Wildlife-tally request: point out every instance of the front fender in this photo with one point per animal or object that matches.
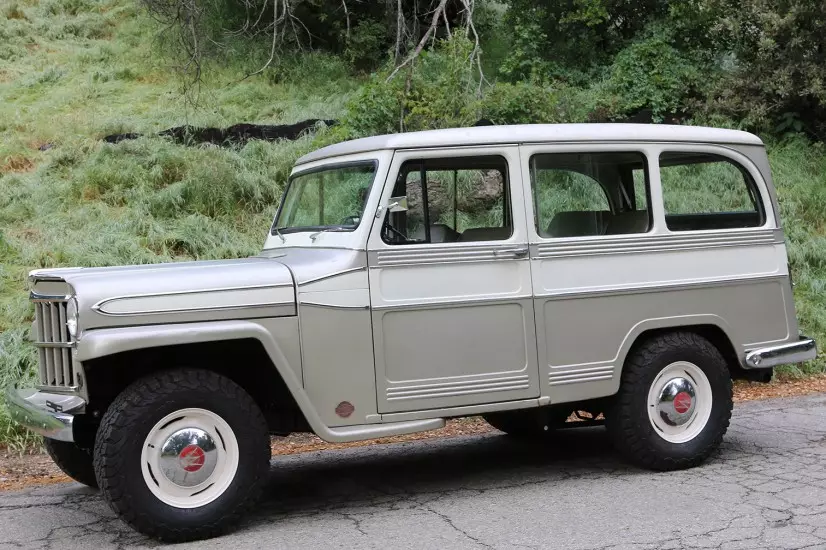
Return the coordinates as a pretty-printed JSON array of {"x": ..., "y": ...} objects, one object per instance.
[{"x": 104, "y": 342}]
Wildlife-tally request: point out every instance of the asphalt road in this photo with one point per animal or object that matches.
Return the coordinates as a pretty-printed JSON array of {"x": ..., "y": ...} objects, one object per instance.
[{"x": 765, "y": 489}]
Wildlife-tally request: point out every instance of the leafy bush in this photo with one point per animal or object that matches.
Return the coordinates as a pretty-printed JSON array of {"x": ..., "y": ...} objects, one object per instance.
[
  {"x": 652, "y": 73},
  {"x": 520, "y": 103},
  {"x": 777, "y": 82}
]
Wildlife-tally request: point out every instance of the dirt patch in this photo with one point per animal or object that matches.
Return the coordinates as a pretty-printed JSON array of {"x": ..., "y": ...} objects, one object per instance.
[
  {"x": 17, "y": 472},
  {"x": 16, "y": 164}
]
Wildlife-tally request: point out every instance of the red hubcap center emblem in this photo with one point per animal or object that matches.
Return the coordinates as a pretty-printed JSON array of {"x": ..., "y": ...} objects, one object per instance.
[
  {"x": 192, "y": 458},
  {"x": 682, "y": 402}
]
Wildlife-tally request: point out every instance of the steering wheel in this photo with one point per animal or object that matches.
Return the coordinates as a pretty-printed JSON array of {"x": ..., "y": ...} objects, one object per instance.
[{"x": 351, "y": 220}]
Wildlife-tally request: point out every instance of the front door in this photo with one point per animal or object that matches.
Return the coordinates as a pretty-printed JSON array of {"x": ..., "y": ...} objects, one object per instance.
[{"x": 450, "y": 283}]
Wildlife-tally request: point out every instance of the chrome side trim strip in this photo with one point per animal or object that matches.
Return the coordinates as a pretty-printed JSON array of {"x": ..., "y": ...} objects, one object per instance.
[
  {"x": 458, "y": 383},
  {"x": 452, "y": 254},
  {"x": 333, "y": 306},
  {"x": 452, "y": 303},
  {"x": 481, "y": 388},
  {"x": 184, "y": 292},
  {"x": 286, "y": 305},
  {"x": 562, "y": 376},
  {"x": 796, "y": 352},
  {"x": 658, "y": 287},
  {"x": 606, "y": 245}
]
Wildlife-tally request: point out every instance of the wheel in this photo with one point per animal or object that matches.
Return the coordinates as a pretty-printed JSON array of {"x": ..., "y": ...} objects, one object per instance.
[
  {"x": 181, "y": 455},
  {"x": 674, "y": 402},
  {"x": 527, "y": 423},
  {"x": 74, "y": 461}
]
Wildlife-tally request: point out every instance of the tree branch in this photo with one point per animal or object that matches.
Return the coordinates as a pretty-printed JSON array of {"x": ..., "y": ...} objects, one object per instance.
[{"x": 431, "y": 30}]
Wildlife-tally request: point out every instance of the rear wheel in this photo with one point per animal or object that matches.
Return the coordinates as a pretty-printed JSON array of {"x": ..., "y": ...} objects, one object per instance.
[
  {"x": 181, "y": 455},
  {"x": 674, "y": 402},
  {"x": 74, "y": 461}
]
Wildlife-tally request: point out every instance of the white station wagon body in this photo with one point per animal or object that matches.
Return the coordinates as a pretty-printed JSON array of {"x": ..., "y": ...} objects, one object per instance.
[{"x": 415, "y": 277}]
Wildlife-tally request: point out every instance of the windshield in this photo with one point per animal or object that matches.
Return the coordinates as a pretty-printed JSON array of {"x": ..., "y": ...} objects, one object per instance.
[{"x": 327, "y": 199}]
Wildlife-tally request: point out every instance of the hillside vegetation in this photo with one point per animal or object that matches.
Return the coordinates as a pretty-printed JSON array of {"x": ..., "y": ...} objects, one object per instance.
[{"x": 73, "y": 71}]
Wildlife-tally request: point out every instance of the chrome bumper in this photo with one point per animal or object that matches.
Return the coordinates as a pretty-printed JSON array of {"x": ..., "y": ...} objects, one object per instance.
[
  {"x": 49, "y": 414},
  {"x": 803, "y": 350}
]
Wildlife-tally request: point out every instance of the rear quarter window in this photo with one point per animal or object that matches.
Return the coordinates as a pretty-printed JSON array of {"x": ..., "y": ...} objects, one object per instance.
[{"x": 704, "y": 191}]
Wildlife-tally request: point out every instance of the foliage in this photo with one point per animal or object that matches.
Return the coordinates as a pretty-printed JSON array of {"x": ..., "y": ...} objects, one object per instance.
[
  {"x": 778, "y": 79},
  {"x": 572, "y": 38},
  {"x": 652, "y": 73}
]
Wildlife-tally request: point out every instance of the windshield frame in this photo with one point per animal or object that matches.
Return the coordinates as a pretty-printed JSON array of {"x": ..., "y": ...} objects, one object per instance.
[{"x": 275, "y": 230}]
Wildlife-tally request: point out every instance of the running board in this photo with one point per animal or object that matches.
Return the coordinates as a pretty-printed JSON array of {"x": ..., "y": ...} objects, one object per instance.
[{"x": 372, "y": 431}]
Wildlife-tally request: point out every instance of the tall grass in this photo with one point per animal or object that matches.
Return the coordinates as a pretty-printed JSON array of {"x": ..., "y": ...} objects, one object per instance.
[{"x": 72, "y": 71}]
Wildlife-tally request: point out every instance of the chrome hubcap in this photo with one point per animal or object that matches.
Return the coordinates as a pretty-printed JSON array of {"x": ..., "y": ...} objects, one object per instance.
[
  {"x": 680, "y": 402},
  {"x": 676, "y": 402},
  {"x": 188, "y": 457}
]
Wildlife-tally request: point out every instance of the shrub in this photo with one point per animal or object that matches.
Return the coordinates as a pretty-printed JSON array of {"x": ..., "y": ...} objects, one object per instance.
[
  {"x": 521, "y": 103},
  {"x": 652, "y": 73}
]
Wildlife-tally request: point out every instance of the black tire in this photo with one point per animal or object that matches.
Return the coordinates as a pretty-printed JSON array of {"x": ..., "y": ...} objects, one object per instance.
[
  {"x": 74, "y": 461},
  {"x": 528, "y": 423},
  {"x": 628, "y": 422},
  {"x": 132, "y": 416}
]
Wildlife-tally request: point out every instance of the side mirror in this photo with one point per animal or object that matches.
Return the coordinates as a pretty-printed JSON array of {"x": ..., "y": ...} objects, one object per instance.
[{"x": 397, "y": 204}]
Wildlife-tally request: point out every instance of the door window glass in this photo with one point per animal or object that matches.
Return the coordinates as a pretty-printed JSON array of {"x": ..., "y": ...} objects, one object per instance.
[
  {"x": 450, "y": 200},
  {"x": 588, "y": 194}
]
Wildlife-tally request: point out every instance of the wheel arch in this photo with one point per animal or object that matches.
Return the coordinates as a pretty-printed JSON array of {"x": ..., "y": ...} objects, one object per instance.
[
  {"x": 712, "y": 327},
  {"x": 243, "y": 351}
]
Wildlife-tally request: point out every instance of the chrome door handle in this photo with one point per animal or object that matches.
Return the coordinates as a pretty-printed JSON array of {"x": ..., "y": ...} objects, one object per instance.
[{"x": 511, "y": 253}]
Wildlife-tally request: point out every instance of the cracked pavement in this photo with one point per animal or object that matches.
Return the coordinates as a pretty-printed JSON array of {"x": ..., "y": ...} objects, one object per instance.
[{"x": 765, "y": 488}]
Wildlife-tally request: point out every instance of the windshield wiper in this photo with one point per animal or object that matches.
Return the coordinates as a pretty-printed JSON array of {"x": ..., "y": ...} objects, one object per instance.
[
  {"x": 280, "y": 236},
  {"x": 335, "y": 229}
]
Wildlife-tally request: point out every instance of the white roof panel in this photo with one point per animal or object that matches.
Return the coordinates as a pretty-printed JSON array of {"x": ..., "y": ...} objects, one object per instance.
[{"x": 534, "y": 133}]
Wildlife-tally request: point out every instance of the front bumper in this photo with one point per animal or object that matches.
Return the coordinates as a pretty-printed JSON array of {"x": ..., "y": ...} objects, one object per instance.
[
  {"x": 804, "y": 349},
  {"x": 49, "y": 414}
]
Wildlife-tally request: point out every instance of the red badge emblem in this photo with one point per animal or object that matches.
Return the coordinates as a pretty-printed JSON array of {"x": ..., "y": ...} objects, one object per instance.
[
  {"x": 192, "y": 458},
  {"x": 682, "y": 402}
]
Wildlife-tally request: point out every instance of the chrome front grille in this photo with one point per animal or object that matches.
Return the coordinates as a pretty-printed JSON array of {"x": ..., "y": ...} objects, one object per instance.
[{"x": 53, "y": 342}]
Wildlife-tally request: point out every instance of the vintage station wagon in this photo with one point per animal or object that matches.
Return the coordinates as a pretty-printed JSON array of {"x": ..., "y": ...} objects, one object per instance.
[{"x": 522, "y": 273}]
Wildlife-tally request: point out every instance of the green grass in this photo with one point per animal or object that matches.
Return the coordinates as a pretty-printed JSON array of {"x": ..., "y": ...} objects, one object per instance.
[{"x": 73, "y": 71}]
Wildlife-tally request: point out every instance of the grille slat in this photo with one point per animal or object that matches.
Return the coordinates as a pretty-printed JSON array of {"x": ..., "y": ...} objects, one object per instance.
[{"x": 54, "y": 342}]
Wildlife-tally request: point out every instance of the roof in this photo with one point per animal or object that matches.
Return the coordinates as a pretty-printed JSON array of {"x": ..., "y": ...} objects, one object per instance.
[{"x": 534, "y": 133}]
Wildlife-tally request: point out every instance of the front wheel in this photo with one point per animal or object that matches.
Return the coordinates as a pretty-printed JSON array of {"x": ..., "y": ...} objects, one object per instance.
[
  {"x": 74, "y": 461},
  {"x": 674, "y": 403},
  {"x": 181, "y": 455}
]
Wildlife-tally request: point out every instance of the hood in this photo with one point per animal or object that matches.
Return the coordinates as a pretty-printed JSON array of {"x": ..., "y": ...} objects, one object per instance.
[{"x": 174, "y": 292}]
